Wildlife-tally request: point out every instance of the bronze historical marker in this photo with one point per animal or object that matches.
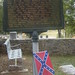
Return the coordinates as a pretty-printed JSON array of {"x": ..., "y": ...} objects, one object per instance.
[{"x": 30, "y": 15}]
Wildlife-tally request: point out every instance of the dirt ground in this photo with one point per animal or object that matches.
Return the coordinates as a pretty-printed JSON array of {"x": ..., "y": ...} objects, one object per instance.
[{"x": 25, "y": 69}]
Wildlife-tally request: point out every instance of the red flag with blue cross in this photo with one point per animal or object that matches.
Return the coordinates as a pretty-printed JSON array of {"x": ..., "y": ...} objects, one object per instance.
[{"x": 43, "y": 63}]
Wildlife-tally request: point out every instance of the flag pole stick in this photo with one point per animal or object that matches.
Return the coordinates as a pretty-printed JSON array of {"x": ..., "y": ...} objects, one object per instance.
[{"x": 35, "y": 48}]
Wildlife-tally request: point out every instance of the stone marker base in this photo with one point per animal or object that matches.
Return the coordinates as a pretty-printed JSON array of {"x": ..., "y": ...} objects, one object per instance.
[
  {"x": 21, "y": 71},
  {"x": 14, "y": 68}
]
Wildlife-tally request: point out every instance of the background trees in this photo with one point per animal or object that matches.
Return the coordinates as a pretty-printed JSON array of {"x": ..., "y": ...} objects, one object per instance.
[
  {"x": 69, "y": 15},
  {"x": 1, "y": 14}
]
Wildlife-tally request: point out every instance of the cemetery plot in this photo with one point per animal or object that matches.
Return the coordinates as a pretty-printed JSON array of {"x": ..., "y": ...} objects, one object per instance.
[
  {"x": 28, "y": 64},
  {"x": 4, "y": 69}
]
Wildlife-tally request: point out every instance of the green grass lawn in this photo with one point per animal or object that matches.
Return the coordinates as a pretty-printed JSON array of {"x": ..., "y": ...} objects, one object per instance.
[
  {"x": 61, "y": 60},
  {"x": 27, "y": 64}
]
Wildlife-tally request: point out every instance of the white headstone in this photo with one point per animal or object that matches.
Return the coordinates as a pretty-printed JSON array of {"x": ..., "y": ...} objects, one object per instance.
[{"x": 68, "y": 69}]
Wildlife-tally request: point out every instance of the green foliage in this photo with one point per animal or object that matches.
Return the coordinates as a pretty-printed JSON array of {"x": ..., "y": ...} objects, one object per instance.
[
  {"x": 1, "y": 15},
  {"x": 69, "y": 13}
]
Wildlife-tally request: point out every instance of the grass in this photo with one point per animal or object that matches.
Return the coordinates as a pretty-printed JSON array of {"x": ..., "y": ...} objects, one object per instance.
[
  {"x": 61, "y": 60},
  {"x": 56, "y": 61}
]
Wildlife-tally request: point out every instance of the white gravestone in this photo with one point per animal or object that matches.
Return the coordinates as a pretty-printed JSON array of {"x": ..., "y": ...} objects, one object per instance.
[{"x": 68, "y": 69}]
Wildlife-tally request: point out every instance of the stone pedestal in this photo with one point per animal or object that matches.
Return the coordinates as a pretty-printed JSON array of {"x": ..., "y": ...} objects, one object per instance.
[
  {"x": 13, "y": 67},
  {"x": 13, "y": 35}
]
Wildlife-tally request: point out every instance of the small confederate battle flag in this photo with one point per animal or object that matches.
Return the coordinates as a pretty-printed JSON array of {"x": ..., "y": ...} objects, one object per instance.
[{"x": 43, "y": 63}]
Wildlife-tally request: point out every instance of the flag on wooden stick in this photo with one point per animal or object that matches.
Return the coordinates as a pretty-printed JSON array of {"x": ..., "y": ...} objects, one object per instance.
[{"x": 43, "y": 63}]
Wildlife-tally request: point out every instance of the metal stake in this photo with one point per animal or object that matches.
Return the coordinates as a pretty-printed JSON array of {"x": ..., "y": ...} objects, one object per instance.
[{"x": 15, "y": 62}]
